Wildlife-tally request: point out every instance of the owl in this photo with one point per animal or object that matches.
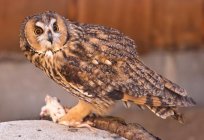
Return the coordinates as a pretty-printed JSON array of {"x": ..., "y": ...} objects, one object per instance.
[{"x": 99, "y": 65}]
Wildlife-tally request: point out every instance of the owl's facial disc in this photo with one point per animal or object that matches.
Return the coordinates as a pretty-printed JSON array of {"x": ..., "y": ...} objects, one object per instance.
[{"x": 47, "y": 34}]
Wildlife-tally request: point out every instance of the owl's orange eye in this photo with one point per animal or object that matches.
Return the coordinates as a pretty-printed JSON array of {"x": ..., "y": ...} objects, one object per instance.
[
  {"x": 38, "y": 31},
  {"x": 55, "y": 27}
]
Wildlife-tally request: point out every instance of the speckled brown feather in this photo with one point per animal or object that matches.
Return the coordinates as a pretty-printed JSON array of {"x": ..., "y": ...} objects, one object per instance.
[{"x": 100, "y": 65}]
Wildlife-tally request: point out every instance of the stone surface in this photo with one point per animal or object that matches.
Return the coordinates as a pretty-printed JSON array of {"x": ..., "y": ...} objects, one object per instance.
[{"x": 47, "y": 130}]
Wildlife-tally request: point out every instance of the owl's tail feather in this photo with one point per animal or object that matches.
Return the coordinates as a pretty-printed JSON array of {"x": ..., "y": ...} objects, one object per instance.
[
  {"x": 177, "y": 100},
  {"x": 164, "y": 112},
  {"x": 144, "y": 100},
  {"x": 157, "y": 105}
]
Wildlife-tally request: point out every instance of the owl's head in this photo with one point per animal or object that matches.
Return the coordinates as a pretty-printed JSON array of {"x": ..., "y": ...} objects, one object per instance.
[{"x": 44, "y": 32}]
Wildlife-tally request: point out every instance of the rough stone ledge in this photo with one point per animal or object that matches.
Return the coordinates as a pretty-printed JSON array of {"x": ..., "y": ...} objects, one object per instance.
[{"x": 47, "y": 130}]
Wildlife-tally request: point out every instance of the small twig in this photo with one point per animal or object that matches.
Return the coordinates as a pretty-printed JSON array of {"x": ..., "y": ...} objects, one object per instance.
[{"x": 116, "y": 125}]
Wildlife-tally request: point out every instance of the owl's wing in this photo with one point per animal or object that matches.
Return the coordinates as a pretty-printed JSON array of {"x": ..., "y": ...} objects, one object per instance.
[
  {"x": 108, "y": 65},
  {"x": 158, "y": 90},
  {"x": 109, "y": 41}
]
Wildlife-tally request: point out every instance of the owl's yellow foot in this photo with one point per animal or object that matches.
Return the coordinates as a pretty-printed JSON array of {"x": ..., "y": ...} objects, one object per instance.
[
  {"x": 78, "y": 124},
  {"x": 75, "y": 115}
]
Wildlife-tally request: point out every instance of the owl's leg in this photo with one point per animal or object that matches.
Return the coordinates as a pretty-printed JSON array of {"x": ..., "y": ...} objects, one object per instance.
[{"x": 76, "y": 114}]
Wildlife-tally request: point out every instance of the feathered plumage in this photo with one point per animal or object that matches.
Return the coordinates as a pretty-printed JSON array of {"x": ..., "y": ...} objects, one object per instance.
[{"x": 100, "y": 65}]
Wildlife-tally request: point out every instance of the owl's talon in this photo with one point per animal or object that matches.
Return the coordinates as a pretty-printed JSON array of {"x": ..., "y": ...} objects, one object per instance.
[{"x": 77, "y": 124}]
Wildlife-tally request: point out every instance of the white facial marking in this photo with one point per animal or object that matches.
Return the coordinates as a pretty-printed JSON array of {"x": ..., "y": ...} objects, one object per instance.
[
  {"x": 56, "y": 35},
  {"x": 49, "y": 53},
  {"x": 43, "y": 38},
  {"x": 40, "y": 24},
  {"x": 43, "y": 41},
  {"x": 52, "y": 21}
]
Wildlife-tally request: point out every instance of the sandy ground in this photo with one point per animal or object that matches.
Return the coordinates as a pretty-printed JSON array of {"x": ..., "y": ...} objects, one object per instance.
[{"x": 23, "y": 88}]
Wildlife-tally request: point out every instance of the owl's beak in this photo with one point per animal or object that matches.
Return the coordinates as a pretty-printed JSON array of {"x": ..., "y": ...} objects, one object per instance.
[{"x": 50, "y": 38}]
